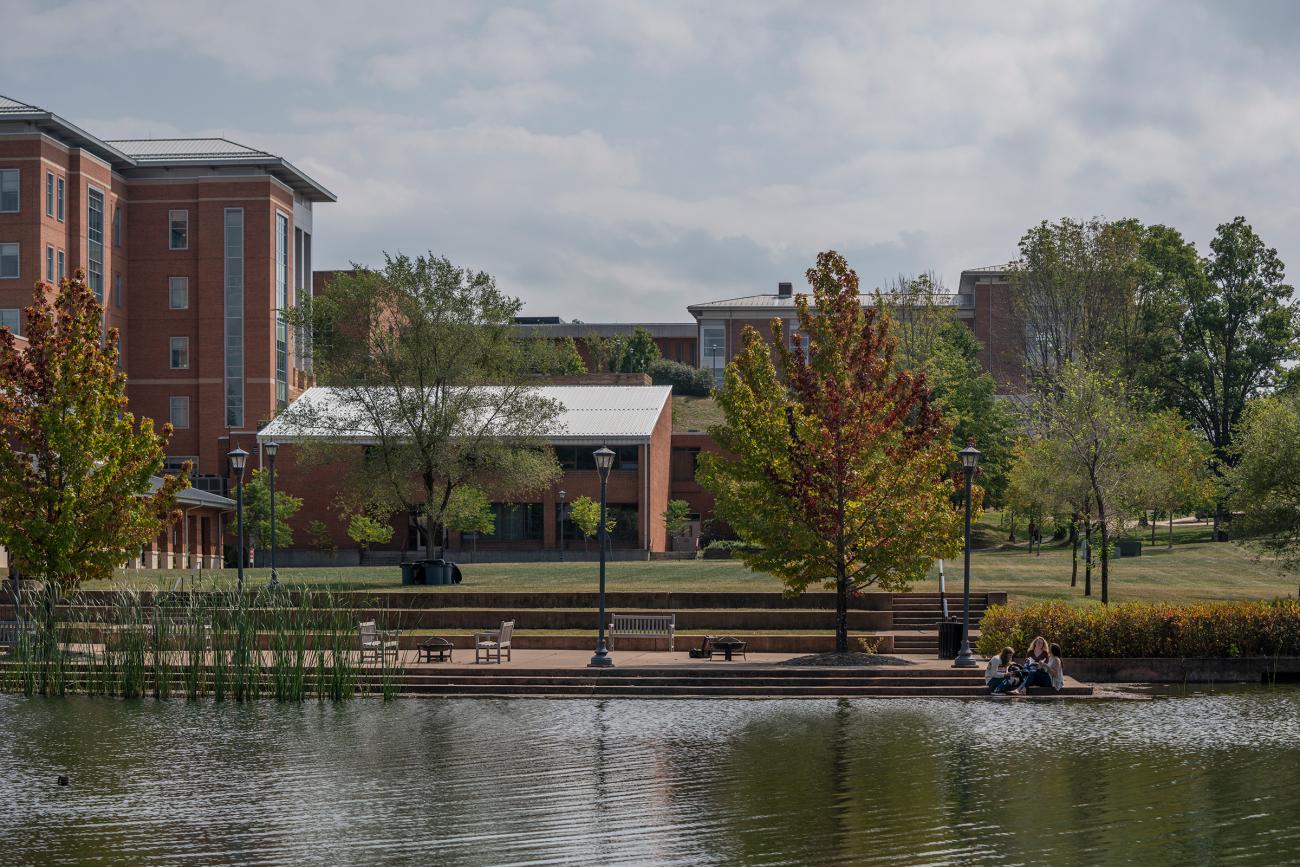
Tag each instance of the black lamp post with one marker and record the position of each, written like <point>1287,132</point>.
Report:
<point>271,448</point>
<point>970,458</point>
<point>604,462</point>
<point>561,526</point>
<point>238,458</point>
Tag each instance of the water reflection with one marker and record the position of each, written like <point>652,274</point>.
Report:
<point>1181,780</point>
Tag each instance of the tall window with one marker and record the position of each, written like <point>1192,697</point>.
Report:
<point>180,351</point>
<point>117,225</point>
<point>713,350</point>
<point>49,264</point>
<point>180,412</point>
<point>9,261</point>
<point>281,305</point>
<point>61,270</point>
<point>58,200</point>
<point>8,191</point>
<point>49,194</point>
<point>178,223</point>
<point>11,318</point>
<point>95,242</point>
<point>117,289</point>
<point>234,316</point>
<point>178,293</point>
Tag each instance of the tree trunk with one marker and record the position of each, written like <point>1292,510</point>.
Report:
<point>841,610</point>
<point>1105,550</point>
<point>1153,526</point>
<point>1171,529</point>
<point>1087,558</point>
<point>1217,535</point>
<point>1074,550</point>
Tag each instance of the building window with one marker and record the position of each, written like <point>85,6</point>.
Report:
<point>713,351</point>
<point>180,412</point>
<point>11,318</point>
<point>117,225</point>
<point>518,522</point>
<point>117,289</point>
<point>178,293</point>
<point>684,461</point>
<point>8,191</point>
<point>121,353</point>
<point>9,261</point>
<point>49,264</point>
<point>234,316</point>
<point>49,194</point>
<point>178,237</point>
<point>61,269</point>
<point>95,242</point>
<point>281,305</point>
<point>180,349</point>
<point>58,200</point>
<point>583,457</point>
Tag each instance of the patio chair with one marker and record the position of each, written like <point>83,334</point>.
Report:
<point>374,643</point>
<point>488,645</point>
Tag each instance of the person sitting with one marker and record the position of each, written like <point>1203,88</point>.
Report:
<point>999,676</point>
<point>1037,666</point>
<point>1054,668</point>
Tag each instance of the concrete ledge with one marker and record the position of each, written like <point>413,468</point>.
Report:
<point>1251,669</point>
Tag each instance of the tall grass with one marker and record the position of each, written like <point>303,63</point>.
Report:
<point>203,642</point>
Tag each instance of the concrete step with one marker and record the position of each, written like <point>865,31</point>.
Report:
<point>656,690</point>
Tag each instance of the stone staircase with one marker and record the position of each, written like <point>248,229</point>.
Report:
<point>917,615</point>
<point>706,680</point>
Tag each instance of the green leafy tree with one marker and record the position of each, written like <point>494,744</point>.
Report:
<point>639,353</point>
<point>1264,482</point>
<point>470,511</point>
<point>548,357</point>
<point>677,517</point>
<point>1175,468</point>
<point>585,514</point>
<point>423,359</point>
<point>1231,327</point>
<point>320,538</point>
<point>257,511</point>
<point>75,465</point>
<point>837,466</point>
<point>366,531</point>
<point>606,353</point>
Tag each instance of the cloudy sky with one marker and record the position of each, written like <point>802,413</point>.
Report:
<point>618,159</point>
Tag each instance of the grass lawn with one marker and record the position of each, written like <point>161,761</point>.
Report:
<point>1195,569</point>
<point>695,413</point>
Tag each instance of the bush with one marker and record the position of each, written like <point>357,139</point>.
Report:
<point>684,379</point>
<point>1131,630</point>
<point>736,546</point>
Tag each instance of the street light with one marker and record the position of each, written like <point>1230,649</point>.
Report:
<point>271,448</point>
<point>561,526</point>
<point>970,459</point>
<point>238,458</point>
<point>604,461</point>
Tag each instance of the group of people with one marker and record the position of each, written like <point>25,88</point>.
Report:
<point>1042,667</point>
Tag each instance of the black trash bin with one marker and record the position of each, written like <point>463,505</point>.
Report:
<point>408,574</point>
<point>949,638</point>
<point>417,572</point>
<point>453,571</point>
<point>435,572</point>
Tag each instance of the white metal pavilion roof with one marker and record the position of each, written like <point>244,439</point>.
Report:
<point>589,415</point>
<point>173,149</point>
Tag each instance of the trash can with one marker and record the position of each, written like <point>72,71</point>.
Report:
<point>435,572</point>
<point>1129,547</point>
<point>408,574</point>
<point>949,638</point>
<point>454,572</point>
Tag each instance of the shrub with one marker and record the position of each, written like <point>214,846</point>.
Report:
<point>684,379</point>
<point>1217,629</point>
<point>733,545</point>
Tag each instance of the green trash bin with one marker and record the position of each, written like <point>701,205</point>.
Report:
<point>408,574</point>
<point>436,572</point>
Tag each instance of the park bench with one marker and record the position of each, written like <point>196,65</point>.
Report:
<point>488,645</point>
<point>10,630</point>
<point>643,625</point>
<point>375,642</point>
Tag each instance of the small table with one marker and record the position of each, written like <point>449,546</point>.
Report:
<point>728,646</point>
<point>435,650</point>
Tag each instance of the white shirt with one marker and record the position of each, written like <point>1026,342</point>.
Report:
<point>996,670</point>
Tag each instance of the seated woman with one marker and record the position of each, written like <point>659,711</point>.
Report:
<point>1054,668</point>
<point>998,676</point>
<point>1037,666</point>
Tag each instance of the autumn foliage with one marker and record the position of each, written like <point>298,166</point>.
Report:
<point>75,466</point>
<point>837,463</point>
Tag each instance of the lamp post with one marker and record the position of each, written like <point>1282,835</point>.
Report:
<point>561,526</point>
<point>238,458</point>
<point>970,458</point>
<point>604,462</point>
<point>271,448</point>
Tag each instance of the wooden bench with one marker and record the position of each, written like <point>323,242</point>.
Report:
<point>374,643</point>
<point>643,626</point>
<point>488,645</point>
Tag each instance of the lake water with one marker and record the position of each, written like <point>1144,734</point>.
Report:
<point>1198,779</point>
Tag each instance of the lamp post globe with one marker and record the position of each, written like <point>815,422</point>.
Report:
<point>970,459</point>
<point>271,448</point>
<point>604,463</point>
<point>238,459</point>
<point>562,496</point>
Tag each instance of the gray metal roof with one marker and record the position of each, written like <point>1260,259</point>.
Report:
<point>993,269</point>
<point>589,414</point>
<point>780,303</point>
<point>170,149</point>
<point>129,154</point>
<point>195,496</point>
<point>609,329</point>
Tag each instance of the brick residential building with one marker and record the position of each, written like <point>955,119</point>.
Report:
<point>192,245</point>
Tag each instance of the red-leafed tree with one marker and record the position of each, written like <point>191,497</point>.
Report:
<point>75,466</point>
<point>837,466</point>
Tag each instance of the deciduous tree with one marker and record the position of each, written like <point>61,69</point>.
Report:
<point>838,465</point>
<point>257,511</point>
<point>585,514</point>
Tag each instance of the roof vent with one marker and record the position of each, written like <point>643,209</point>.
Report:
<point>784,290</point>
